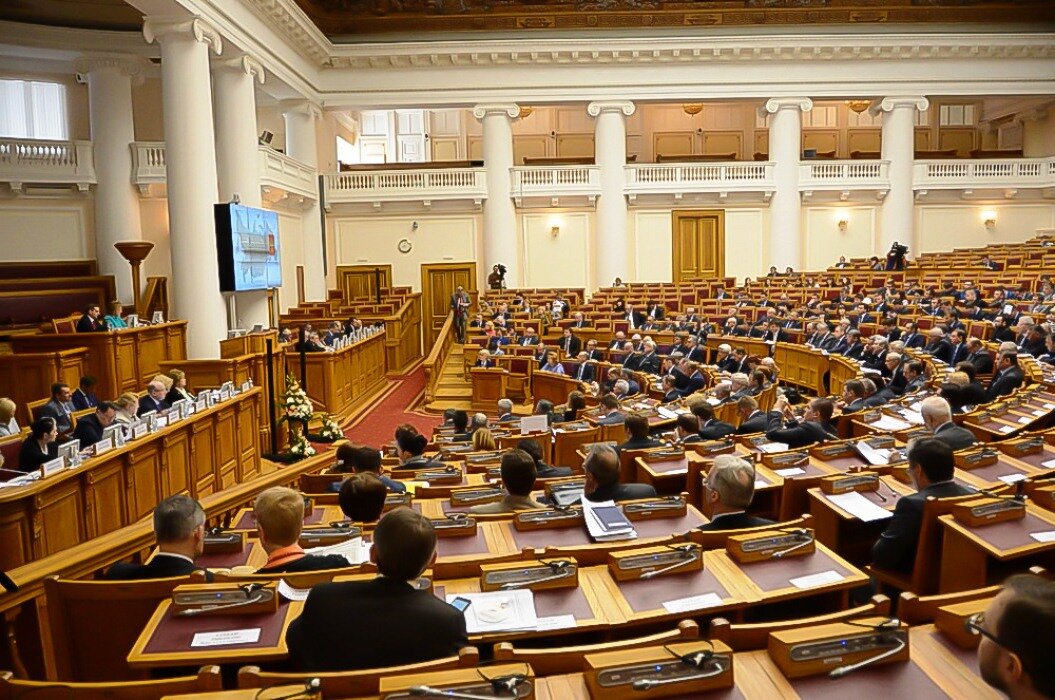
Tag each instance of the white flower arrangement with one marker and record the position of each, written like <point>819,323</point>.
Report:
<point>331,430</point>
<point>295,402</point>
<point>299,445</point>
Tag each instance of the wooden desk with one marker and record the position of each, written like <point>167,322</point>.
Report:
<point>202,454</point>
<point>28,376</point>
<point>489,385</point>
<point>166,639</point>
<point>669,476</point>
<point>846,533</point>
<point>340,381</point>
<point>971,557</point>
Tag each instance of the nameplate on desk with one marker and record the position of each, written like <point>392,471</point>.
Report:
<point>664,455</point>
<point>861,481</point>
<point>822,649</point>
<point>548,519</point>
<point>455,525</point>
<point>225,638</point>
<point>669,507</point>
<point>325,536</point>
<point>223,542</point>
<point>139,430</point>
<point>770,544</point>
<point>974,460</point>
<point>202,403</point>
<point>246,386</point>
<point>541,575</point>
<point>225,394</point>
<point>696,602</point>
<point>450,475</point>
<point>197,599</point>
<point>395,500</point>
<point>683,670</point>
<point>986,511</point>
<point>52,466</point>
<point>649,562</point>
<point>160,422</point>
<point>152,422</point>
<point>103,446</point>
<point>471,497</point>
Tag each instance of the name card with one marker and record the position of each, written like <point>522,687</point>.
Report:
<point>139,430</point>
<point>225,394</point>
<point>52,466</point>
<point>160,422</point>
<point>226,637</point>
<point>246,386</point>
<point>103,446</point>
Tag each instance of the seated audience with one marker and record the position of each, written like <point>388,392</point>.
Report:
<point>1017,635</point>
<point>460,422</point>
<point>84,396</point>
<point>637,433</point>
<point>518,478</point>
<point>410,448</point>
<point>90,428</point>
<point>552,363</point>
<point>40,445</point>
<point>483,359</point>
<point>114,320</point>
<point>405,625</point>
<point>90,321</point>
<point>483,440</point>
<point>610,411</point>
<point>1007,378</point>
<point>544,471</point>
<point>505,410</point>
<point>362,498</point>
<point>687,429</point>
<point>179,389</point>
<point>576,404</point>
<point>544,407</point>
<point>937,416</point>
<point>930,466</point>
<point>154,399</point>
<point>126,405</point>
<point>602,478</point>
<point>279,513</point>
<point>752,419</point>
<point>8,424</point>
<point>710,427</point>
<point>973,393</point>
<point>360,459</point>
<point>60,408</point>
<point>815,426</point>
<point>179,529</point>
<point>727,494</point>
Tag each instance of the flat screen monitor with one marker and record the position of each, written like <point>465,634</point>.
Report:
<point>247,248</point>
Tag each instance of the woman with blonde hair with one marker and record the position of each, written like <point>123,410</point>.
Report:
<point>126,404</point>
<point>483,440</point>
<point>115,319</point>
<point>8,424</point>
<point>179,390</point>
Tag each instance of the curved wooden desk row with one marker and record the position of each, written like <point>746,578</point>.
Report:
<point>339,382</point>
<point>205,453</point>
<point>120,361</point>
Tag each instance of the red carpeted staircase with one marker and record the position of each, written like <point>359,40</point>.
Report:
<point>398,403</point>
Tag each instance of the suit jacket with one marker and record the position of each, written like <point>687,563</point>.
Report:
<point>729,364</point>
<point>616,418</point>
<point>756,423</point>
<point>649,363</point>
<point>955,436</point>
<point>939,350</point>
<point>715,429</point>
<point>982,361</point>
<point>372,624</point>
<point>913,340</point>
<point>622,492</point>
<point>546,471</point>
<point>87,324</point>
<point>161,566</point>
<point>570,345</point>
<point>88,431</point>
<point>484,363</point>
<point>733,521</point>
<point>657,312</point>
<point>82,400</point>
<point>855,351</point>
<point>634,444</point>
<point>147,404</point>
<point>30,457</point>
<point>839,347</point>
<point>636,318</point>
<point>805,433</point>
<point>1005,382</point>
<point>697,354</point>
<point>1002,334</point>
<point>308,562</point>
<point>1034,348</point>
<point>60,412</point>
<point>672,395</point>
<point>695,383</point>
<point>594,354</point>
<point>957,353</point>
<point>896,547</point>
<point>585,372</point>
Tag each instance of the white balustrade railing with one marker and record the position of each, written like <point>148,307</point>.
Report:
<point>279,170</point>
<point>980,173</point>
<point>148,162</point>
<point>844,174</point>
<point>402,185</point>
<point>698,177</point>
<point>41,161</point>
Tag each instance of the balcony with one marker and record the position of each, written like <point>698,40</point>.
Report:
<point>289,175</point>
<point>984,179</point>
<point>700,182</point>
<point>39,164</point>
<point>844,179</point>
<point>148,164</point>
<point>556,185</point>
<point>407,187</point>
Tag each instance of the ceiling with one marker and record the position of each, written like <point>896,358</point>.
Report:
<point>356,20</point>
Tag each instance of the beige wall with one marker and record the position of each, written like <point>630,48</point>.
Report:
<point>960,226</point>
<point>746,242</point>
<point>824,242</point>
<point>556,261</point>
<point>291,235</point>
<point>439,238</point>
<point>147,110</point>
<point>1038,137</point>
<point>46,229</point>
<point>650,244</point>
<point>154,220</point>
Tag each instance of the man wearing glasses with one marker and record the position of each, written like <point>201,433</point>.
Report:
<point>1018,638</point>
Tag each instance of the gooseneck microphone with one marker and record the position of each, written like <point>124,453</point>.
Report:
<point>843,670</point>
<point>807,540</point>
<point>430,692</point>
<point>254,594</point>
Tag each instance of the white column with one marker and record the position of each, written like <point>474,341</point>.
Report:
<point>897,216</point>
<point>500,219</point>
<point>237,164</point>
<point>785,151</point>
<point>609,138</point>
<point>190,161</point>
<point>113,131</point>
<point>301,143</point>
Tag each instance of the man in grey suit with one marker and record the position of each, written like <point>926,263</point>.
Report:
<point>937,416</point>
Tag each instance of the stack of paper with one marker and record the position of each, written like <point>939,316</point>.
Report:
<point>666,412</point>
<point>354,550</point>
<point>499,611</point>
<point>875,457</point>
<point>606,522</point>
<point>771,447</point>
<point>891,423</point>
<point>858,506</point>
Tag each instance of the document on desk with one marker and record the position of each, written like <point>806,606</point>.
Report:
<point>1012,478</point>
<point>771,447</point>
<point>666,412</point>
<point>819,579</point>
<point>225,638</point>
<point>556,622</point>
<point>354,550</point>
<point>499,611</point>
<point>606,522</point>
<point>874,456</point>
<point>790,471</point>
<point>290,593</point>
<point>1050,464</point>
<point>891,423</point>
<point>858,506</point>
<point>1047,536</point>
<point>696,602</point>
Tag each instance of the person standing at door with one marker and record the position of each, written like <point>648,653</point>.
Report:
<point>460,307</point>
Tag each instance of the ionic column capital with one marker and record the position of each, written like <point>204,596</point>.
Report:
<point>301,106</point>
<point>162,29</point>
<point>508,109</point>
<point>775,104</point>
<point>626,107</point>
<point>889,104</point>
<point>244,63</point>
<point>132,66</point>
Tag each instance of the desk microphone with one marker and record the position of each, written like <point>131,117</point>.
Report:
<point>35,473</point>
<point>689,554</point>
<point>429,691</point>
<point>560,569</point>
<point>843,670</point>
<point>255,593</point>
<point>805,543</point>
<point>698,660</point>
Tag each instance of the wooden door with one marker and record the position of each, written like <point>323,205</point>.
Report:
<point>438,282</point>
<point>361,280</point>
<point>699,245</point>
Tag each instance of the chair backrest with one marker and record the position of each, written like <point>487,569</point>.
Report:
<point>35,406</point>
<point>627,467</point>
<point>715,539</point>
<point>319,483</point>
<point>566,447</point>
<point>354,683</point>
<point>94,624</point>
<point>296,579</point>
<point>928,553</point>
<point>921,609</point>
<point>755,635</point>
<point>10,447</point>
<point>554,660</point>
<point>208,680</point>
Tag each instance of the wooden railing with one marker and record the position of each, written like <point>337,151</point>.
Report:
<point>403,334</point>
<point>437,357</point>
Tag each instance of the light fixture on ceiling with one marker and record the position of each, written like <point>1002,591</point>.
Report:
<point>858,106</point>
<point>692,108</point>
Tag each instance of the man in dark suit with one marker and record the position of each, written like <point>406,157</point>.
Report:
<point>670,389</point>
<point>815,425</point>
<point>592,353</point>
<point>602,478</point>
<point>1033,343</point>
<point>612,413</point>
<point>91,322</point>
<point>585,371</point>
<point>687,429</point>
<point>958,351</point>
<point>89,429</point>
<point>978,356</point>
<point>854,347</point>
<point>931,467</point>
<point>727,494</point>
<point>84,396</point>
<point>773,333</point>
<point>911,337</point>
<point>694,352</point>
<point>400,623</point>
<point>752,420</point>
<point>529,338</point>
<point>649,362</point>
<point>60,408</point>
<point>853,397</point>
<point>505,410</point>
<point>638,438</point>
<point>1008,376</point>
<point>655,311</point>
<point>636,319</point>
<point>937,346</point>
<point>710,427</point>
<point>1001,331</point>
<point>579,321</point>
<point>154,400</point>
<point>179,529</point>
<point>937,416</point>
<point>279,514</point>
<point>542,470</point>
<point>691,379</point>
<point>569,344</point>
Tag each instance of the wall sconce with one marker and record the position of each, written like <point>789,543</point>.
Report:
<point>554,231</point>
<point>692,108</point>
<point>989,219</point>
<point>842,223</point>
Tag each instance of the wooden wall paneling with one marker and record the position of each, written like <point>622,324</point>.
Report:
<point>720,142</point>
<point>672,143</point>
<point>761,141</point>
<point>16,542</point>
<point>475,150</point>
<point>445,147</point>
<point>58,518</point>
<point>127,365</point>
<point>863,140</point>
<point>575,146</point>
<point>531,146</point>
<point>175,463</point>
<point>142,477</point>
<point>247,442</point>
<point>203,457</point>
<point>226,446</point>
<point>962,138</point>
<point>105,503</point>
<point>923,138</point>
<point>357,281</point>
<point>821,140</point>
